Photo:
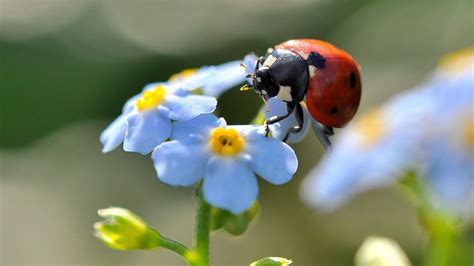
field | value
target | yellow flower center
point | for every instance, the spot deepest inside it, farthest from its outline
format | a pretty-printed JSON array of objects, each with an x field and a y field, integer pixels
[
  {"x": 370, "y": 127},
  {"x": 151, "y": 98},
  {"x": 183, "y": 74},
  {"x": 226, "y": 141}
]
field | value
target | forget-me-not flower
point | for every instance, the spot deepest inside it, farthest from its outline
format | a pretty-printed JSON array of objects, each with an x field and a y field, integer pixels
[
  {"x": 146, "y": 118},
  {"x": 429, "y": 130},
  {"x": 225, "y": 158}
]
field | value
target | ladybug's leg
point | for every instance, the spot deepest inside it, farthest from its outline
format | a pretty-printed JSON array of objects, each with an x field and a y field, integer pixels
[
  {"x": 290, "y": 107},
  {"x": 322, "y": 132},
  {"x": 299, "y": 119}
]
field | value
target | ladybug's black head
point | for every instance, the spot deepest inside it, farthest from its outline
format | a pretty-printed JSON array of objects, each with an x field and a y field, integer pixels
[{"x": 264, "y": 82}]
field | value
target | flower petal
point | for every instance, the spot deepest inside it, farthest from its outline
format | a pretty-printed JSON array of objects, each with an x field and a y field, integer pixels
[
  {"x": 280, "y": 129},
  {"x": 130, "y": 104},
  {"x": 146, "y": 130},
  {"x": 180, "y": 163},
  {"x": 184, "y": 108},
  {"x": 225, "y": 77},
  {"x": 200, "y": 125},
  {"x": 114, "y": 134},
  {"x": 230, "y": 184},
  {"x": 272, "y": 159}
]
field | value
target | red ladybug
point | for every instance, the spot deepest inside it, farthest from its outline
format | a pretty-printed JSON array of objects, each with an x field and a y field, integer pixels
[{"x": 326, "y": 76}]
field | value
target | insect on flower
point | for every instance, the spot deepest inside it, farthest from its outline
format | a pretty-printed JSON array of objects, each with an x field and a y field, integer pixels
[
  {"x": 226, "y": 158},
  {"x": 297, "y": 69},
  {"x": 428, "y": 130}
]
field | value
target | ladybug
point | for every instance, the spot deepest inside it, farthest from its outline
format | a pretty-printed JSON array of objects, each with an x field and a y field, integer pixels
[{"x": 314, "y": 71}]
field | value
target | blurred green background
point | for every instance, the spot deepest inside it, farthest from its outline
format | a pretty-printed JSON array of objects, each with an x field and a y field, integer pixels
[{"x": 66, "y": 68}]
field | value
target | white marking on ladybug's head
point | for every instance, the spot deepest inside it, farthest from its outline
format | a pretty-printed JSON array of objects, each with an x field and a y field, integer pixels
[
  {"x": 269, "y": 61},
  {"x": 284, "y": 94},
  {"x": 259, "y": 79}
]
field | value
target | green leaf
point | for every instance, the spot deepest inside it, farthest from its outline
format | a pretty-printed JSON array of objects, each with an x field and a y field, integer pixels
[{"x": 272, "y": 261}]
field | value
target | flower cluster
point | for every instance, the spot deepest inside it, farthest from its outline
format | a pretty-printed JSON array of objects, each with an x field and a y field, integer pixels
[
  {"x": 428, "y": 130},
  {"x": 173, "y": 119}
]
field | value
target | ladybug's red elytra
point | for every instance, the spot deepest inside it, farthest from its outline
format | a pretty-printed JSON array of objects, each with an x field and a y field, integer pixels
[{"x": 326, "y": 77}]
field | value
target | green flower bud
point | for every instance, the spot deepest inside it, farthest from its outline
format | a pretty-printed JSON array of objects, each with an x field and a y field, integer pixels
[
  {"x": 123, "y": 230},
  {"x": 234, "y": 224},
  {"x": 380, "y": 251},
  {"x": 272, "y": 261}
]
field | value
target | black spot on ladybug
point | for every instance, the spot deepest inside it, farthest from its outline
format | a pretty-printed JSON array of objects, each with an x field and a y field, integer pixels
[
  {"x": 333, "y": 110},
  {"x": 316, "y": 60},
  {"x": 352, "y": 79}
]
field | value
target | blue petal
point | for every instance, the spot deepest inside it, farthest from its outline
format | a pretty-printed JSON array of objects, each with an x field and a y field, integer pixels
[
  {"x": 229, "y": 184},
  {"x": 114, "y": 134},
  {"x": 146, "y": 130},
  {"x": 249, "y": 62},
  {"x": 272, "y": 159},
  {"x": 190, "y": 106},
  {"x": 130, "y": 104},
  {"x": 280, "y": 129},
  {"x": 225, "y": 77},
  {"x": 181, "y": 163},
  {"x": 200, "y": 125},
  {"x": 214, "y": 80}
]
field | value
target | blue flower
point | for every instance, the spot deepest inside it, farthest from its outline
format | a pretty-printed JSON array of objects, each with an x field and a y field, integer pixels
[
  {"x": 280, "y": 129},
  {"x": 146, "y": 118},
  {"x": 212, "y": 80},
  {"x": 225, "y": 158},
  {"x": 429, "y": 130}
]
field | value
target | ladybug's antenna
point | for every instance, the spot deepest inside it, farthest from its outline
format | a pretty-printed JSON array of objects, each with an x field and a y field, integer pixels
[
  {"x": 267, "y": 107},
  {"x": 246, "y": 87},
  {"x": 244, "y": 66}
]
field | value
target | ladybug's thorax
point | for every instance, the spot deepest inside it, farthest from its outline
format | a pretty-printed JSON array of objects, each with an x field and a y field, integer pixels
[{"x": 283, "y": 74}]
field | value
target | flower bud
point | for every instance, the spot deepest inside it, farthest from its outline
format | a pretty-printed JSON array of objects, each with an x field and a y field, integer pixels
[
  {"x": 272, "y": 261},
  {"x": 380, "y": 251},
  {"x": 123, "y": 230}
]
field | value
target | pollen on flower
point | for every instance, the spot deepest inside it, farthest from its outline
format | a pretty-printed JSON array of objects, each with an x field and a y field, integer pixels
[
  {"x": 226, "y": 141},
  {"x": 370, "y": 127},
  {"x": 151, "y": 98},
  {"x": 183, "y": 74}
]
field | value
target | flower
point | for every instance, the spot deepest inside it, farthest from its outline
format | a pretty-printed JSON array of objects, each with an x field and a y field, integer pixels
[
  {"x": 212, "y": 80},
  {"x": 124, "y": 230},
  {"x": 280, "y": 129},
  {"x": 380, "y": 251},
  {"x": 225, "y": 158},
  {"x": 428, "y": 130},
  {"x": 146, "y": 118}
]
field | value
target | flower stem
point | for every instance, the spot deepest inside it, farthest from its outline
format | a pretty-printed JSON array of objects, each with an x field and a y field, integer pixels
[
  {"x": 443, "y": 230},
  {"x": 176, "y": 247},
  {"x": 201, "y": 234}
]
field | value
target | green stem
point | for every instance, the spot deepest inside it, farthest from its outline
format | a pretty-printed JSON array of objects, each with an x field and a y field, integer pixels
[
  {"x": 201, "y": 237},
  {"x": 442, "y": 229},
  {"x": 176, "y": 247}
]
